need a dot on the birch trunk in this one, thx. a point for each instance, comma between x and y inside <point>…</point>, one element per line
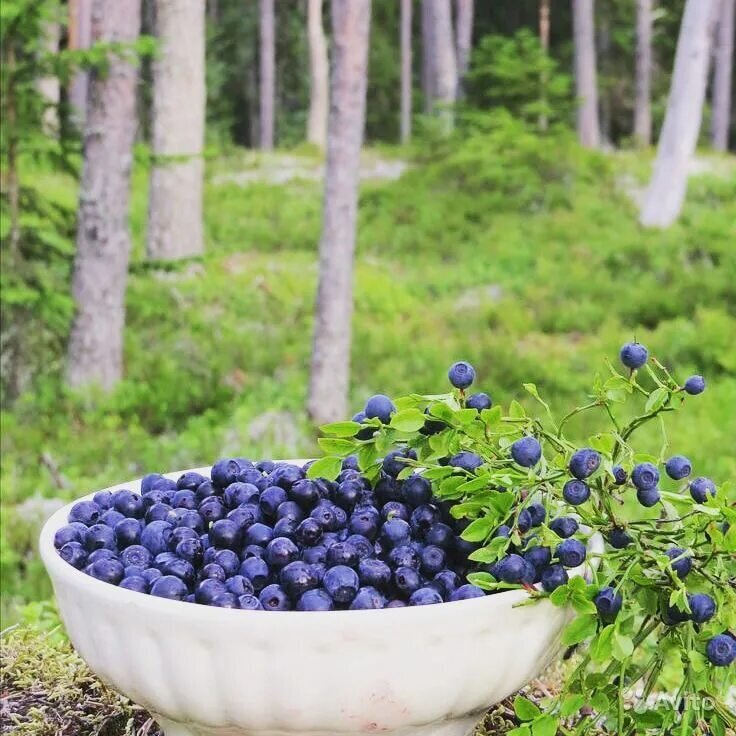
<point>586,84</point>
<point>721,121</point>
<point>405,70</point>
<point>330,366</point>
<point>49,86</point>
<point>642,99</point>
<point>665,195</point>
<point>544,12</point>
<point>428,60</point>
<point>318,77</point>
<point>464,41</point>
<point>177,131</point>
<point>445,64</point>
<point>95,354</point>
<point>80,29</point>
<point>267,74</point>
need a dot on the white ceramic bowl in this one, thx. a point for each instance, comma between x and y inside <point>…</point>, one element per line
<point>206,671</point>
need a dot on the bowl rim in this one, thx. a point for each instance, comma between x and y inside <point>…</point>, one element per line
<point>59,569</point>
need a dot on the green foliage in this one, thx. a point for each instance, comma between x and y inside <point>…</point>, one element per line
<point>631,648</point>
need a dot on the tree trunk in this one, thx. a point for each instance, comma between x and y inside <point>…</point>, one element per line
<point>318,77</point>
<point>268,74</point>
<point>48,86</point>
<point>428,60</point>
<point>103,242</point>
<point>544,11</point>
<point>666,192</point>
<point>586,84</point>
<point>80,29</point>
<point>464,41</point>
<point>177,131</point>
<point>642,99</point>
<point>405,70</point>
<point>444,63</point>
<point>721,121</point>
<point>330,368</point>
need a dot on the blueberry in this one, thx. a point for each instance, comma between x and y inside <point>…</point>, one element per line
<point>212,571</point>
<point>526,452</point>
<point>134,583</point>
<point>416,490</point>
<point>648,498</point>
<point>252,550</point>
<point>342,583</point>
<point>553,577</point>
<point>396,603</point>
<point>101,554</point>
<point>465,460</point>
<point>74,553</point>
<point>633,355</point>
<point>395,510</point>
<point>702,607</point>
<point>256,570</point>
<point>280,551</point>
<point>313,555</point>
<point>447,582</point>
<point>681,561</point>
<point>147,482</point>
<point>576,492</point>
<point>259,534</point>
<point>100,536</point>
<point>239,585</point>
<point>395,532</point>
<point>107,570</point>
<point>191,550</point>
<point>111,517</point>
<point>238,493</point>
<point>388,488</point>
<point>163,484</point>
<point>441,535</point>
<point>304,492</point>
<point>103,499</point>
<point>645,476</point>
<point>570,552</point>
<point>424,597</point>
<point>249,603</point>
<point>180,533</point>
<point>608,603</point>
<point>224,600</point>
<point>66,534</point>
<point>224,472</point>
<point>700,488</point>
<point>133,571</point>
<point>205,489</point>
<point>374,573</point>
<point>271,499</point>
<point>394,462</point>
<point>619,538</point>
<point>127,503</point>
<point>406,581</point>
<point>379,407</point>
<point>620,476</point>
<point>169,586</point>
<point>695,385</point>
<point>362,545</point>
<point>156,512</point>
<point>678,467</point>
<point>467,591</point>
<point>190,481</point>
<point>367,432</point>
<point>245,516</point>
<point>289,510</point>
<point>432,560</point>
<point>315,600</point>
<point>524,521</point>
<point>479,401</point>
<point>151,575</point>
<point>564,526</point>
<point>228,561</point>
<point>503,531</point>
<point>225,533</point>
<point>85,512</point>
<point>163,559</point>
<point>510,569</point>
<point>212,509</point>
<point>365,522</point>
<point>297,578</point>
<point>538,557</point>
<point>308,532</point>
<point>181,569</point>
<point>537,512</point>
<point>404,556</point>
<point>127,532</point>
<point>367,598</point>
<point>330,517</point>
<point>672,615</point>
<point>184,499</point>
<point>155,536</point>
<point>192,520</point>
<point>721,650</point>
<point>347,494</point>
<point>584,463</point>
<point>342,553</point>
<point>461,374</point>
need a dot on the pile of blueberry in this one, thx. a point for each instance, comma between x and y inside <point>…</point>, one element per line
<point>264,536</point>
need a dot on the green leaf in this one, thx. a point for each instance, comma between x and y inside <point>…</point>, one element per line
<point>516,410</point>
<point>483,580</point>
<point>341,429</point>
<point>523,730</point>
<point>656,399</point>
<point>326,467</point>
<point>492,416</point>
<point>334,446</point>
<point>408,420</point>
<point>581,604</point>
<point>476,484</point>
<point>571,704</point>
<point>465,416</point>
<point>600,702</point>
<point>448,487</point>
<point>580,629</point>
<point>601,647</point>
<point>545,726</point>
<point>524,708</point>
<point>442,411</point>
<point>478,530</point>
<point>367,456</point>
<point>560,596</point>
<point>438,473</point>
<point>623,646</point>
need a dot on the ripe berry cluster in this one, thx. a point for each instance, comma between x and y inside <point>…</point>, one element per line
<point>264,536</point>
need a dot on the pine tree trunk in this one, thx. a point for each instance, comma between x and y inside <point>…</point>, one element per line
<point>330,368</point>
<point>428,57</point>
<point>464,41</point>
<point>586,84</point>
<point>95,353</point>
<point>444,64</point>
<point>721,121</point>
<point>642,99</point>
<point>267,91</point>
<point>666,192</point>
<point>179,99</point>
<point>318,77</point>
<point>405,70</point>
<point>79,37</point>
<point>544,13</point>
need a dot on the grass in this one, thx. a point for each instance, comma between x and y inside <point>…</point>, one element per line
<point>519,254</point>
